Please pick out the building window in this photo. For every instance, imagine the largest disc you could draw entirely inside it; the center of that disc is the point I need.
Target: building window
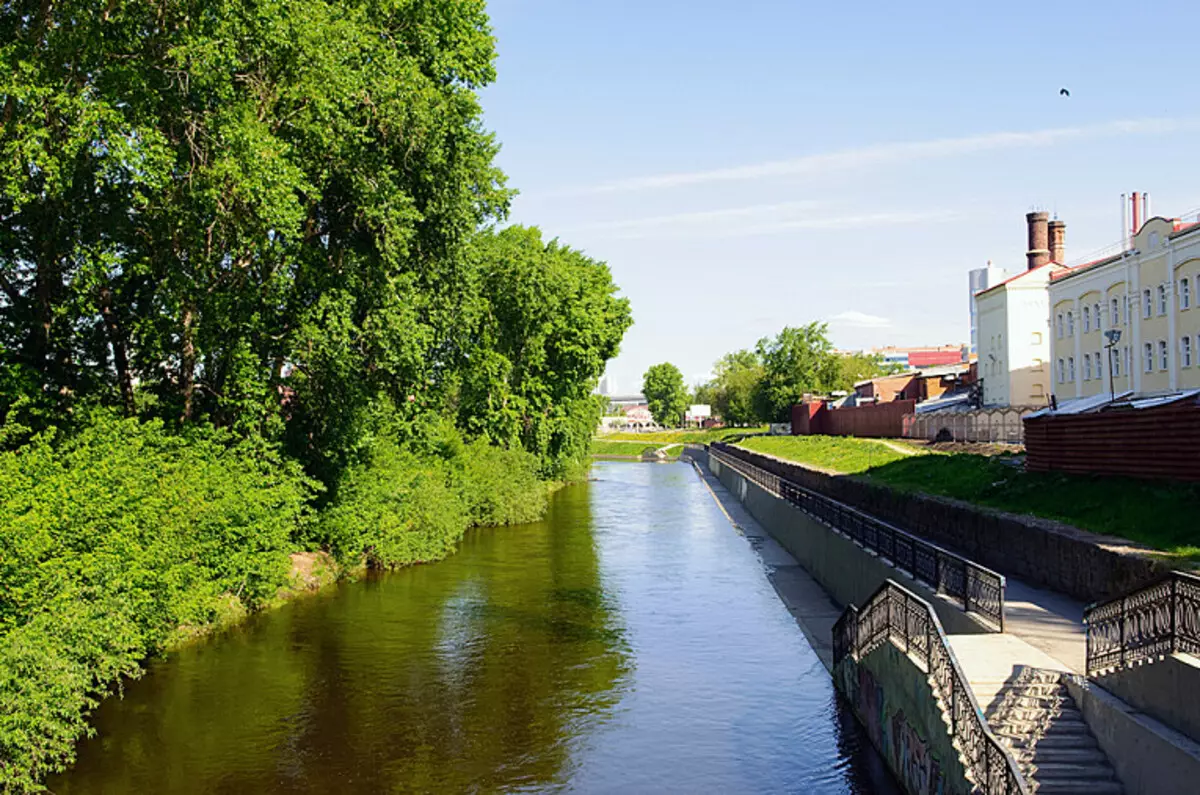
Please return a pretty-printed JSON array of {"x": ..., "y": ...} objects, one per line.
[
  {"x": 1127, "y": 310},
  {"x": 1036, "y": 339},
  {"x": 1163, "y": 362},
  {"x": 1060, "y": 325},
  {"x": 1185, "y": 351},
  {"x": 1037, "y": 366},
  {"x": 1071, "y": 368},
  {"x": 1087, "y": 319},
  {"x": 1099, "y": 367},
  {"x": 1148, "y": 309},
  {"x": 1087, "y": 367},
  {"x": 1162, "y": 299},
  {"x": 1185, "y": 294},
  {"x": 1128, "y": 359},
  {"x": 1062, "y": 371},
  {"x": 1148, "y": 349},
  {"x": 1096, "y": 313},
  {"x": 1116, "y": 364},
  {"x": 1070, "y": 324},
  {"x": 1116, "y": 314}
]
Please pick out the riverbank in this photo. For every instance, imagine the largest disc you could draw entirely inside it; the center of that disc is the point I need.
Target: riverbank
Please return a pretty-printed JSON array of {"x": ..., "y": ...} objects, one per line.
[{"x": 123, "y": 540}]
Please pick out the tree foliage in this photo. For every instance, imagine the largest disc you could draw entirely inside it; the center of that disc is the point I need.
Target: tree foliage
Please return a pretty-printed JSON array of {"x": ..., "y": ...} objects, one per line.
[
  {"x": 856, "y": 367},
  {"x": 736, "y": 379},
  {"x": 665, "y": 393},
  {"x": 797, "y": 361},
  {"x": 263, "y": 234}
]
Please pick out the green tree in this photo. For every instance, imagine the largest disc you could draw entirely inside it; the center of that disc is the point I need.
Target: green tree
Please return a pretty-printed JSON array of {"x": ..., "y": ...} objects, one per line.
[
  {"x": 855, "y": 367},
  {"x": 736, "y": 379},
  {"x": 797, "y": 361},
  {"x": 665, "y": 393}
]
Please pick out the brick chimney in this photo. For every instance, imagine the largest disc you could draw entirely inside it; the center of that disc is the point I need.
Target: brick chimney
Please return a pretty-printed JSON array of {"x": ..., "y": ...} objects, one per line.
[
  {"x": 1058, "y": 241},
  {"x": 1039, "y": 239}
]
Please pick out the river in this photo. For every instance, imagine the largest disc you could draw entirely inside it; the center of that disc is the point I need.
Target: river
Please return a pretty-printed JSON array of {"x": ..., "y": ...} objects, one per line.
[{"x": 631, "y": 642}]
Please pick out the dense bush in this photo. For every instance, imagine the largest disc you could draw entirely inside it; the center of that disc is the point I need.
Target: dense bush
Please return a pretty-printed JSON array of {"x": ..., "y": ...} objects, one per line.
[
  {"x": 411, "y": 503},
  {"x": 110, "y": 541}
]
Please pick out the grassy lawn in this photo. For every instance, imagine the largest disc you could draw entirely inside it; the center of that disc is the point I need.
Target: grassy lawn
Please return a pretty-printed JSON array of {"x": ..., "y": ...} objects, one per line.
[
  {"x": 835, "y": 453},
  {"x": 607, "y": 447},
  {"x": 1160, "y": 514},
  {"x": 695, "y": 437}
]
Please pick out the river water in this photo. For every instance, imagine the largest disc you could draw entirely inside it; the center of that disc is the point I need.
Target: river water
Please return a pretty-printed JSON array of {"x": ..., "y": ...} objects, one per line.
[{"x": 629, "y": 643}]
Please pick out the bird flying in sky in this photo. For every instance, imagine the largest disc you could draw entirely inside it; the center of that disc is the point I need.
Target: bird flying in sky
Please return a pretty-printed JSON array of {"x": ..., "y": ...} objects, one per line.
[{"x": 1064, "y": 92}]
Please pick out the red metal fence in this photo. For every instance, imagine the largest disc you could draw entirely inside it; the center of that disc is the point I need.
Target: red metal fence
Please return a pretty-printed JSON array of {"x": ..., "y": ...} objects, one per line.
[
  {"x": 1160, "y": 442},
  {"x": 884, "y": 420}
]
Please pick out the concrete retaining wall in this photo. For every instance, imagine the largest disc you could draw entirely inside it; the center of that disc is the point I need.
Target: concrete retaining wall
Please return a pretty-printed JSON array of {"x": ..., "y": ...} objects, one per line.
[
  {"x": 848, "y": 572},
  {"x": 1087, "y": 566},
  {"x": 1166, "y": 689},
  {"x": 891, "y": 696},
  {"x": 1148, "y": 757}
]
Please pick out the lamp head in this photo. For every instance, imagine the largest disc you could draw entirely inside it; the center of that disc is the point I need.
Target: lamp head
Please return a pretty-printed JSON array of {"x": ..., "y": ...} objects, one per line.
[{"x": 1113, "y": 335}]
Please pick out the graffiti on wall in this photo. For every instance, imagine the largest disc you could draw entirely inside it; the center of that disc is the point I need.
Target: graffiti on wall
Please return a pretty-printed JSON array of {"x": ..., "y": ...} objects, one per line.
[
  {"x": 919, "y": 771},
  {"x": 908, "y": 753}
]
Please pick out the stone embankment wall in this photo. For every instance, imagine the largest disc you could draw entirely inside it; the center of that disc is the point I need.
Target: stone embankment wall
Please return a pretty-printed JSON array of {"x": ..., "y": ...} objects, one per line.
[
  {"x": 891, "y": 696},
  {"x": 1087, "y": 566}
]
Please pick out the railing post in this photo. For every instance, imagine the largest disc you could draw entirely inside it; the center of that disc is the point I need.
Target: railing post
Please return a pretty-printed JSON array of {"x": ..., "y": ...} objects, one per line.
[
  {"x": 967, "y": 588},
  {"x": 1122, "y": 632},
  {"x": 1174, "y": 607},
  {"x": 937, "y": 571}
]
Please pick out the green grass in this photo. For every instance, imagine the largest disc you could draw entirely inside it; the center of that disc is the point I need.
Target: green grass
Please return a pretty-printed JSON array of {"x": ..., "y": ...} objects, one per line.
[
  {"x": 1159, "y": 514},
  {"x": 695, "y": 437},
  {"x": 841, "y": 454},
  {"x": 605, "y": 447}
]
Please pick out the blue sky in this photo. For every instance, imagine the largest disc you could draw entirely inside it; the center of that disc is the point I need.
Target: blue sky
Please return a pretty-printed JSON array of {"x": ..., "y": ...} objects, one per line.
[{"x": 746, "y": 166}]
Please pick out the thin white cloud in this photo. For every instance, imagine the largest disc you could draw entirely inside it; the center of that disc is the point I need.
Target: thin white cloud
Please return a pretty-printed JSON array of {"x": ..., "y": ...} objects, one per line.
[
  {"x": 855, "y": 319},
  {"x": 881, "y": 154},
  {"x": 701, "y": 218},
  {"x": 751, "y": 221}
]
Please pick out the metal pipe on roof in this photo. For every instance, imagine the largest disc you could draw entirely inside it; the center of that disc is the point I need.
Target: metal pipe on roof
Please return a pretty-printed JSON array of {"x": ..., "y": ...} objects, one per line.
[
  {"x": 1124, "y": 221},
  {"x": 1146, "y": 206}
]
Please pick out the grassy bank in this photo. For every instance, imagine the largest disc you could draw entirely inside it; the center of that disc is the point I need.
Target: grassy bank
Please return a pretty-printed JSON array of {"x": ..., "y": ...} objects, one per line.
[
  {"x": 637, "y": 449},
  {"x": 693, "y": 437},
  {"x": 832, "y": 453},
  {"x": 1159, "y": 514},
  {"x": 124, "y": 539}
]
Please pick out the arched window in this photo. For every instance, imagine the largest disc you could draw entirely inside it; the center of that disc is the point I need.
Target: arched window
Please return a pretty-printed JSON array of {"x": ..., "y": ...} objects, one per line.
[
  {"x": 1087, "y": 367},
  {"x": 1062, "y": 371},
  {"x": 1185, "y": 352},
  {"x": 1096, "y": 314},
  {"x": 1070, "y": 324},
  {"x": 1148, "y": 309},
  {"x": 1163, "y": 358},
  {"x": 1087, "y": 319},
  {"x": 1162, "y": 299},
  {"x": 1070, "y": 368},
  {"x": 1060, "y": 325},
  {"x": 1185, "y": 293},
  {"x": 1116, "y": 314},
  {"x": 1148, "y": 350}
]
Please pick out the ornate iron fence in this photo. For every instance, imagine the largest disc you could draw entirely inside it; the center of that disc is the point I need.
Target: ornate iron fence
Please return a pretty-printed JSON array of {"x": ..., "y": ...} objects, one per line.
[
  {"x": 898, "y": 616},
  {"x": 979, "y": 590},
  {"x": 1144, "y": 625}
]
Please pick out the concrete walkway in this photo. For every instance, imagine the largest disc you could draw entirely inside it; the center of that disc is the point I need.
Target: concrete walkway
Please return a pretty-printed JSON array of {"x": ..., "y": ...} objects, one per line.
[
  {"x": 1048, "y": 625},
  {"x": 815, "y": 612}
]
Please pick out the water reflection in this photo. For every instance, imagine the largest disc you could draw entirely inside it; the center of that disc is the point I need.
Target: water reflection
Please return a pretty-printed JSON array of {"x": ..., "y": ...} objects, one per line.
[{"x": 628, "y": 643}]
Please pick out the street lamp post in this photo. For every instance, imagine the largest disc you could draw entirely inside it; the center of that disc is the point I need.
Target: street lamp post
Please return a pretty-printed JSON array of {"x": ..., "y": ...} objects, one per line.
[{"x": 1113, "y": 335}]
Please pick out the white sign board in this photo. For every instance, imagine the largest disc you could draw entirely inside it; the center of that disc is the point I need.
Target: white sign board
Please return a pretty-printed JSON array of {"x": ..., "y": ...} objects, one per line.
[{"x": 699, "y": 411}]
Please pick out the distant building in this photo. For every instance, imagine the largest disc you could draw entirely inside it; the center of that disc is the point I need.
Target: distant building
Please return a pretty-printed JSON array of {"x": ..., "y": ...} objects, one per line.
[
  {"x": 1013, "y": 336},
  {"x": 926, "y": 384},
  {"x": 1148, "y": 293},
  {"x": 979, "y": 280},
  {"x": 916, "y": 358},
  {"x": 617, "y": 403}
]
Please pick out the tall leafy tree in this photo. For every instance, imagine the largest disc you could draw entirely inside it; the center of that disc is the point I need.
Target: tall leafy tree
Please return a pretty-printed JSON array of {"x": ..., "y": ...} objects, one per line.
[
  {"x": 736, "y": 379},
  {"x": 548, "y": 319},
  {"x": 665, "y": 393},
  {"x": 797, "y": 361}
]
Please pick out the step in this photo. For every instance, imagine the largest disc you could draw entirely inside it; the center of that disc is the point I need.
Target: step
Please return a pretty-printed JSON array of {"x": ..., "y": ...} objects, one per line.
[
  {"x": 1064, "y": 787},
  {"x": 1072, "y": 756},
  {"x": 1071, "y": 772},
  {"x": 1036, "y": 699},
  {"x": 1025, "y": 735},
  {"x": 1037, "y": 718}
]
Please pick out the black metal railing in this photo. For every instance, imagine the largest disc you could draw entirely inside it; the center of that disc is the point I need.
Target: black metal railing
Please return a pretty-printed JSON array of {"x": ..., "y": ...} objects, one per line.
[
  {"x": 1144, "y": 625},
  {"x": 979, "y": 590},
  {"x": 896, "y": 615}
]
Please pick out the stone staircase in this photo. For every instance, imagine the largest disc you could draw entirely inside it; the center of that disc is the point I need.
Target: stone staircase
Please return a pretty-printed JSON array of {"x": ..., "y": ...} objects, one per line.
[{"x": 1034, "y": 714}]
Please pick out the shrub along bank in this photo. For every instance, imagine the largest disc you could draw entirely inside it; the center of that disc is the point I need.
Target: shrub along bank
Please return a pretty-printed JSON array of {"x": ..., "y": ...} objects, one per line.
[{"x": 118, "y": 539}]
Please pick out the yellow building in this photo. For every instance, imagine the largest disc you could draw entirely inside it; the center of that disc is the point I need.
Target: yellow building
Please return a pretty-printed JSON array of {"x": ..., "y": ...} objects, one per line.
[{"x": 1149, "y": 294}]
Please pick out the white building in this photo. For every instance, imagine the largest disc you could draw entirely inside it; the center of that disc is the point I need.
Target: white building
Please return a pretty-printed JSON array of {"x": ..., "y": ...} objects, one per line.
[
  {"x": 1013, "y": 339},
  {"x": 981, "y": 279}
]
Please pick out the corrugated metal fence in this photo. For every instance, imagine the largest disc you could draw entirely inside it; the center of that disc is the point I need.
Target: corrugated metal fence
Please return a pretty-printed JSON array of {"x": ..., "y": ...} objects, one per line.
[{"x": 1158, "y": 442}]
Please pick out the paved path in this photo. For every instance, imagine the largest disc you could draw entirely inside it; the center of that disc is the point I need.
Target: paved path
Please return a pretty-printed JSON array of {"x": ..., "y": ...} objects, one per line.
[
  {"x": 805, "y": 599},
  {"x": 1049, "y": 624}
]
